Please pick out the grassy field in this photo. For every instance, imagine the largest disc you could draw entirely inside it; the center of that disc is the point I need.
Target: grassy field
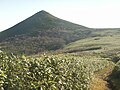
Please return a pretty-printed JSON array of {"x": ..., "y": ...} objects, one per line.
[{"x": 95, "y": 44}]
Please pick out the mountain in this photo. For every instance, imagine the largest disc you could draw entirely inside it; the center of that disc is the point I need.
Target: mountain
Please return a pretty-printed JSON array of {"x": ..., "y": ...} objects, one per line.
[{"x": 41, "y": 32}]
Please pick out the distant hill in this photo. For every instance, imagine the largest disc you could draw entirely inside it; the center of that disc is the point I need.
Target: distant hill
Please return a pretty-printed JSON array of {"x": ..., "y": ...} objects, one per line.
[
  {"x": 104, "y": 40},
  {"x": 41, "y": 32}
]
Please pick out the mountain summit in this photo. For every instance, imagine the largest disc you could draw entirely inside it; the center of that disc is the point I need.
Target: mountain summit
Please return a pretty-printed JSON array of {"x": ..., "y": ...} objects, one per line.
[{"x": 42, "y": 31}]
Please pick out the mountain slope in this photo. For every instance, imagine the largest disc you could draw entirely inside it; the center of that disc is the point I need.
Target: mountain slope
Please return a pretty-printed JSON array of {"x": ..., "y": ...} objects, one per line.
[
  {"x": 40, "y": 32},
  {"x": 106, "y": 40}
]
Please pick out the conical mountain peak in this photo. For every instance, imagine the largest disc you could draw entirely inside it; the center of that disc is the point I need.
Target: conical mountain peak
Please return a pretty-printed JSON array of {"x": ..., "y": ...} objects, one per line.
[
  {"x": 39, "y": 22},
  {"x": 42, "y": 13},
  {"x": 42, "y": 31}
]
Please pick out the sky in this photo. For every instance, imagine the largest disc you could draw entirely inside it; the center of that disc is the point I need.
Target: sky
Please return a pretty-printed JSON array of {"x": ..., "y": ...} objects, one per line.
[{"x": 90, "y": 13}]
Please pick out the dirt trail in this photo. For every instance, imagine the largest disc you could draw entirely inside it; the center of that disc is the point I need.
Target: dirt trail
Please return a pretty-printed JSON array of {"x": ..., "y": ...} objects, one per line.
[{"x": 101, "y": 82}]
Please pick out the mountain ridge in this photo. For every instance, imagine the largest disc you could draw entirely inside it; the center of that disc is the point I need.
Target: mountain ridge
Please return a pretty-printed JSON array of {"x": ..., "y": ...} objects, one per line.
[{"x": 42, "y": 31}]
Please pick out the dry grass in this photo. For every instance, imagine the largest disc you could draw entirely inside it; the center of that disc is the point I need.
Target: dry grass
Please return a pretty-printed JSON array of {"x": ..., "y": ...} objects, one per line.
[{"x": 100, "y": 82}]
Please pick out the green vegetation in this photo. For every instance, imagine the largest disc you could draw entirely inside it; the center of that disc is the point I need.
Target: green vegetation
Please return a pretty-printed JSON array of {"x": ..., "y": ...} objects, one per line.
[
  {"x": 96, "y": 44},
  {"x": 58, "y": 72}
]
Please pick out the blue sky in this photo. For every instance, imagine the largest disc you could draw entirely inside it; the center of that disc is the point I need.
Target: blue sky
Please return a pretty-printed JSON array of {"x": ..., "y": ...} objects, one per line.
[{"x": 91, "y": 13}]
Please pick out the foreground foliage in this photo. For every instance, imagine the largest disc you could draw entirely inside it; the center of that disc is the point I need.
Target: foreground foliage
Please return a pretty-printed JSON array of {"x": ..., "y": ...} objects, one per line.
[{"x": 58, "y": 72}]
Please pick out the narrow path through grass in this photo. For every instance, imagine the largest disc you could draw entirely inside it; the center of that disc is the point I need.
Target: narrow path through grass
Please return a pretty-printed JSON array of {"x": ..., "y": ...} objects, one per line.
[{"x": 101, "y": 81}]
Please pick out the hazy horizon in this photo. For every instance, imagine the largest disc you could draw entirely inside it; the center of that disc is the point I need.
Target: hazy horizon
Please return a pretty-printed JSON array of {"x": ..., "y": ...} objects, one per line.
[{"x": 90, "y": 13}]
